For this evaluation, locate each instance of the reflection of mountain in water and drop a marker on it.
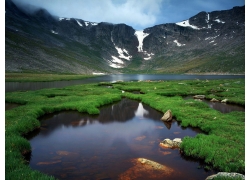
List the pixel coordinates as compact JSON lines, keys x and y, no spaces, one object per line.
{"x":141,"y":111}
{"x":122,"y":111}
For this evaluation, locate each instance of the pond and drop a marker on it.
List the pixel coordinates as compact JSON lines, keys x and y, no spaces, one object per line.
{"x":26,"y":86}
{"x":73,"y":145}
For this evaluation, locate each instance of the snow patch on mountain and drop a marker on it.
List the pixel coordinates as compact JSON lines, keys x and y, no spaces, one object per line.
{"x":122,"y":53}
{"x":98,"y":73}
{"x":117,"y":60}
{"x":186,"y":24}
{"x":178,"y":44}
{"x":219,"y":21}
{"x":115,"y":65}
{"x":148,"y":54}
{"x":140,"y":36}
{"x":92,"y":23}
{"x":54,"y":32}
{"x":79,"y":23}
{"x":211,"y":38}
{"x":207,"y":20}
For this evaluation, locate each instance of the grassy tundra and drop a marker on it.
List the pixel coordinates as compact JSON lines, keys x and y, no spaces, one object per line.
{"x":222,"y":146}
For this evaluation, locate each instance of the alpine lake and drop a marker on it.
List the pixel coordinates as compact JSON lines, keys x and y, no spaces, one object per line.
{"x":119,"y":139}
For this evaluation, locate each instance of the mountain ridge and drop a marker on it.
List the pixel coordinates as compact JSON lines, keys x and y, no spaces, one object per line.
{"x":212,"y":42}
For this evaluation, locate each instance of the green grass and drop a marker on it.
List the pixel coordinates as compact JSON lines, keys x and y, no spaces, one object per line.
{"x":222,"y":146}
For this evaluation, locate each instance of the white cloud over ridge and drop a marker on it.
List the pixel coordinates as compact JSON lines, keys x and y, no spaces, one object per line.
{"x":137,"y":14}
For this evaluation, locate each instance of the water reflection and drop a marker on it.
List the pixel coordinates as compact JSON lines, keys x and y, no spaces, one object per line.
{"x":141,"y":111}
{"x":223,"y":107}
{"x":73,"y":145}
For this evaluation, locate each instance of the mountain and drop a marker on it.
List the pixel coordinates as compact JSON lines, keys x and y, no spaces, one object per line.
{"x":209,"y":42}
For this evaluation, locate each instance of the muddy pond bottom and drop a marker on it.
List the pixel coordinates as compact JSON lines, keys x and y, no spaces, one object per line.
{"x":112,"y":145}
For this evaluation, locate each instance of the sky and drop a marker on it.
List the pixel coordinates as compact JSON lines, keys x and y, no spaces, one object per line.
{"x":139,"y":14}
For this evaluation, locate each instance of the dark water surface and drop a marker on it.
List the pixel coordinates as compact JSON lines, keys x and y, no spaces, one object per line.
{"x":9,"y":106}
{"x":73,"y":145}
{"x":222,"y":107}
{"x":26,"y":86}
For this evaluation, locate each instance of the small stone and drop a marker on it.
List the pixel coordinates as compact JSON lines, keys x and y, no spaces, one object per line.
{"x":167,"y":116}
{"x":224,"y":100}
{"x":199,"y":96}
{"x":168,"y":143}
{"x":214,"y":100}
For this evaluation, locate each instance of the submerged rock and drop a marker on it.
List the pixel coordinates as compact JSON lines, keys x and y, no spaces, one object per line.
{"x":199,"y":96}
{"x":167,"y":116}
{"x":168,"y":143}
{"x":146,"y":168}
{"x":140,"y":138}
{"x":49,"y":162}
{"x":224,"y":175}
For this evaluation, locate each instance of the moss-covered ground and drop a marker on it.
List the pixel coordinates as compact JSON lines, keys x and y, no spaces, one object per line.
{"x":222,"y":146}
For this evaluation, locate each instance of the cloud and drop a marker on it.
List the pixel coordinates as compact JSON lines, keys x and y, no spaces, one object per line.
{"x":135,"y":13}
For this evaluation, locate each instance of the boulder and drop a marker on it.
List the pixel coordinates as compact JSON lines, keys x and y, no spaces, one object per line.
{"x":177,"y":142}
{"x":167,"y":116}
{"x":214,"y":100}
{"x":226,"y":175}
{"x":168,"y":143}
{"x":199,"y":96}
{"x":224,"y":100}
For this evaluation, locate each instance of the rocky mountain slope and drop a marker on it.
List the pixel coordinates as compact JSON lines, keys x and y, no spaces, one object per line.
{"x":209,"y":42}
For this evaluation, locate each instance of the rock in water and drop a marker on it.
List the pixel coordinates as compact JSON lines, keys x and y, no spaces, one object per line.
{"x":226,"y":175}
{"x":168,"y":143}
{"x":224,"y":100}
{"x":199,"y":96}
{"x":167,"y":116}
{"x":214,"y":100}
{"x":146,"y":168}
